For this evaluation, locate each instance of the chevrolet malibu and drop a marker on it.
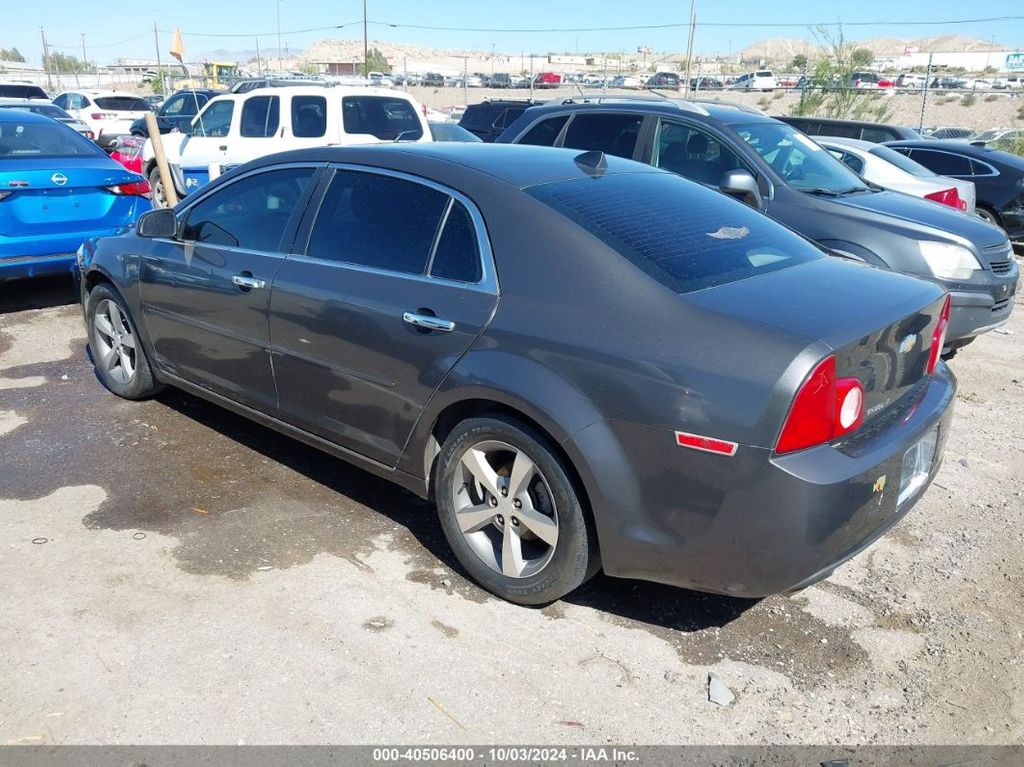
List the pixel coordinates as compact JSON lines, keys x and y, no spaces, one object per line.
{"x":578,"y":380}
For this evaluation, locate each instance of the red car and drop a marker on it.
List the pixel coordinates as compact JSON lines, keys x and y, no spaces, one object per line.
{"x":547,"y":80}
{"x":128,"y":152}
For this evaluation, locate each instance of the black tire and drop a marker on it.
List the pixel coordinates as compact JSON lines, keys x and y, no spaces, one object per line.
{"x":989,"y":215}
{"x":156,"y":185}
{"x":140,"y":384}
{"x":574,"y":557}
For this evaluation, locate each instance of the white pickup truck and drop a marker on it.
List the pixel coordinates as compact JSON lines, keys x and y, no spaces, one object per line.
{"x":235,"y":128}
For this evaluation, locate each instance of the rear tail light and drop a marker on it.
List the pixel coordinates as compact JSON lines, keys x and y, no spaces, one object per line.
{"x":950,"y":197}
{"x":824,"y":409}
{"x":103,"y":116}
{"x":939,"y":337}
{"x":90,"y":135}
{"x":133,"y":188}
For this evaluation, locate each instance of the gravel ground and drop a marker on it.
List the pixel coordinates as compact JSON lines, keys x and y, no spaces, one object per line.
{"x":175,"y":574}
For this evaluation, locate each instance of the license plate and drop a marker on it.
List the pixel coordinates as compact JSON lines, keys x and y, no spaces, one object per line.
{"x":917,"y":465}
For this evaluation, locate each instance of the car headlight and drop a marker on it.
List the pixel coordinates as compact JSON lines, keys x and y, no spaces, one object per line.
{"x":949,"y":262}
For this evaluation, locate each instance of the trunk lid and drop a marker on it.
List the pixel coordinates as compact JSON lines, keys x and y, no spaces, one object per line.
{"x":45,"y":202}
{"x":879,"y":324}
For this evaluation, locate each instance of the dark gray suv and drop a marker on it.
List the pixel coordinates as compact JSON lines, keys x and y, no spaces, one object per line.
{"x":577,"y":379}
{"x":778,"y":169}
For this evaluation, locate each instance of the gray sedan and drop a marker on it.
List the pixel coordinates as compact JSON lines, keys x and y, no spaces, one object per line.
{"x":584,"y":361}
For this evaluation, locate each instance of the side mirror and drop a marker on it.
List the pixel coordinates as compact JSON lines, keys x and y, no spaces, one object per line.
{"x":739,"y":183}
{"x":158,"y":223}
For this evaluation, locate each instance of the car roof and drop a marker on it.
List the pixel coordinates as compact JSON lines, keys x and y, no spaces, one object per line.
{"x":102,"y":93}
{"x":852,"y":143}
{"x":715,"y":110}
{"x":515,"y":164}
{"x":982,"y":152}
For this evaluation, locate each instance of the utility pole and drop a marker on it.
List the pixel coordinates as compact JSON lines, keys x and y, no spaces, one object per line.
{"x":366,"y":45}
{"x":259,"y":61}
{"x":159,"y":65}
{"x":85,"y":60}
{"x":465,"y":80}
{"x":46,"y":59}
{"x":689,"y":48}
{"x":280,"y":63}
{"x":924,"y":91}
{"x":492,"y":61}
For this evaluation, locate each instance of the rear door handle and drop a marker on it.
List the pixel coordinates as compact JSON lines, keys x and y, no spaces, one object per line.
{"x":247,"y":282}
{"x":429,"y":322}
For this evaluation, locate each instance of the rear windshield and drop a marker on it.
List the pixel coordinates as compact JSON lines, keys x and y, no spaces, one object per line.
{"x":13,"y":91}
{"x":901,"y":161}
{"x":385,"y":117}
{"x":32,"y":139}
{"x":123,"y":104}
{"x":49,"y":110}
{"x":684,"y":236}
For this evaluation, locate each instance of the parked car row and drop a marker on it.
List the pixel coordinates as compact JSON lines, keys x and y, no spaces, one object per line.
{"x":346,"y":293}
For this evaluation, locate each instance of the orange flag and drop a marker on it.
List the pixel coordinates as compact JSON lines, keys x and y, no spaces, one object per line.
{"x":177,"y":45}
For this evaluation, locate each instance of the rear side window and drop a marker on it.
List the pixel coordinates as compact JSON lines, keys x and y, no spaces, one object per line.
{"x":902,"y":162}
{"x":123,"y":104}
{"x":943,"y":163}
{"x":610,"y":133}
{"x":309,"y":116}
{"x":852,"y":161}
{"x":356,"y":223}
{"x":685,"y":237}
{"x":250,"y":213}
{"x":261,"y":116}
{"x":545,"y":132}
{"x":384,"y":117}
{"x":457,"y":256}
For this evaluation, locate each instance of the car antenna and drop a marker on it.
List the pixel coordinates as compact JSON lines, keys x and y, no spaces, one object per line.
{"x":592,"y":163}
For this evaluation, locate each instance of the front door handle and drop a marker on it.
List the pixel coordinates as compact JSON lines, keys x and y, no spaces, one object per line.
{"x":429,"y":322}
{"x":248,"y":282}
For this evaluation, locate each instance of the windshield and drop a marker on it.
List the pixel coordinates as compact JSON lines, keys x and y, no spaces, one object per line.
{"x":902,"y":162}
{"x":682,"y":235}
{"x":39,"y":139}
{"x":803,"y":164}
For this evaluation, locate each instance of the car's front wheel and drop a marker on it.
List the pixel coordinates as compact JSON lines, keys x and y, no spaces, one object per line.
{"x":156,"y":185}
{"x":511,"y":513}
{"x":116,"y":347}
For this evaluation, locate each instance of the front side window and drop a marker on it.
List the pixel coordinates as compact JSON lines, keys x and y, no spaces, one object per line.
{"x":544,"y":133}
{"x":385,"y":117}
{"x":309,"y":116}
{"x":215,"y":121}
{"x":693,"y":153}
{"x":358,"y":222}
{"x":800,"y":162}
{"x":609,"y":133}
{"x":251,"y":213}
{"x":261,"y":116}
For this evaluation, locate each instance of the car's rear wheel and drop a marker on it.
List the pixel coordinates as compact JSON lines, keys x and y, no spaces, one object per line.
{"x":116,"y":347}
{"x":988,"y":215}
{"x":511,"y":514}
{"x":156,"y":185}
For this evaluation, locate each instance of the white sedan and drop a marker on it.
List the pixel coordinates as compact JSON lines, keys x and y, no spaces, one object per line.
{"x":888,"y":168}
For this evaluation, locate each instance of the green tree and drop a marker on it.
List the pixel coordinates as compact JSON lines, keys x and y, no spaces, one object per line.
{"x":828,"y":92}
{"x":64,"y":62}
{"x":11,"y":54}
{"x":799,"y":63}
{"x":376,"y":62}
{"x":861,"y":57}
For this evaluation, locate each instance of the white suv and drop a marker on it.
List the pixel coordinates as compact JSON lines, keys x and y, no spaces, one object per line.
{"x":237,"y":127}
{"x":761,"y":80}
{"x":109,"y":114}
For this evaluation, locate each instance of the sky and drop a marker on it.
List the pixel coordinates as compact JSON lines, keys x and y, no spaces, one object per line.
{"x":126,"y":30}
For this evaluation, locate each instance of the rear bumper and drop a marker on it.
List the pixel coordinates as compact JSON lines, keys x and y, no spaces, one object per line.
{"x":756,"y":523}
{"x":19,"y":267}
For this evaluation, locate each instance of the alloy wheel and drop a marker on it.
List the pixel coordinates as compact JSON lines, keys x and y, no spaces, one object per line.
{"x":505,"y":509}
{"x":116,"y":345}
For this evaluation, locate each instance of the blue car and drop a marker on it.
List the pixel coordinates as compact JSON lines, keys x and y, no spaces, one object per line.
{"x":57,"y":189}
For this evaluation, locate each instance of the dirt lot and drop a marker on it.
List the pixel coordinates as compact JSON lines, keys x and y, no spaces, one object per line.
{"x":174,"y":574}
